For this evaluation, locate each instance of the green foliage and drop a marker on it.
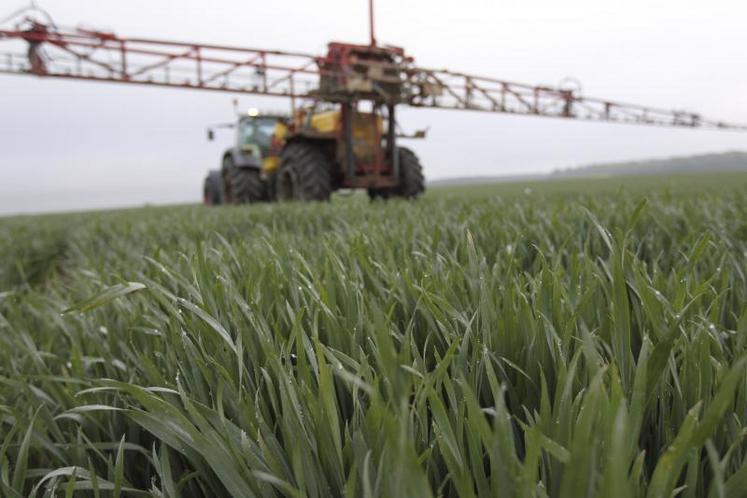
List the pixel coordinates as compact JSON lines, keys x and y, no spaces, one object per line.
{"x":548,"y":340}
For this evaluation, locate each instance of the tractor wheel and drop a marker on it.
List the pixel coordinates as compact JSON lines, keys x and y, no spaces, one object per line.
{"x":375,"y":194}
{"x":243,"y":185}
{"x":212,"y":191}
{"x":305,"y":173}
{"x":247,"y":185}
{"x":411,"y":179}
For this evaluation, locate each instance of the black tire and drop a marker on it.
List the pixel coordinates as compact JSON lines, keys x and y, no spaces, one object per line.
{"x":305,"y":173}
{"x":411,"y":179}
{"x":212,"y":191}
{"x":376,"y":194}
{"x":243,"y":185}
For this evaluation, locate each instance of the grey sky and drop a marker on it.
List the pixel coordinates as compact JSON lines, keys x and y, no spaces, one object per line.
{"x":66,"y":145}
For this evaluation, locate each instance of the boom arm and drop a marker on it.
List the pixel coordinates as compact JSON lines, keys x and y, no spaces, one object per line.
{"x":476,"y":93}
{"x":101,"y":56}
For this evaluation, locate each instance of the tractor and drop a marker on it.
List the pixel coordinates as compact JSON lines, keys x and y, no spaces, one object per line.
{"x":301,"y":157}
{"x":344,"y":140}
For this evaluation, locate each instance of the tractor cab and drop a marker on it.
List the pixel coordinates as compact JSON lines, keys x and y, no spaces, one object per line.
{"x":257,"y":133}
{"x":259,"y":141}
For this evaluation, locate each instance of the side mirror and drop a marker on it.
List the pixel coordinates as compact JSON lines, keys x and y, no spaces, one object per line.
{"x":210,"y":134}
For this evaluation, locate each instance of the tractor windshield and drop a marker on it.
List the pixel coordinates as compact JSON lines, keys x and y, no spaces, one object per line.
{"x":257,"y":131}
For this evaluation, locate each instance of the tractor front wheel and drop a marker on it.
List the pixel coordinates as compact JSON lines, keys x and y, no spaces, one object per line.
{"x":243,"y":185}
{"x":305,"y":173}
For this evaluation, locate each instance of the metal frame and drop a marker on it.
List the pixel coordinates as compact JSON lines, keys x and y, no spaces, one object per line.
{"x":347,"y":75}
{"x":101,"y":56}
{"x":444,"y":89}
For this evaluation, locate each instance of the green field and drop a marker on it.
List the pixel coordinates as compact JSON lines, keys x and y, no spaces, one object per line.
{"x":562,"y":339}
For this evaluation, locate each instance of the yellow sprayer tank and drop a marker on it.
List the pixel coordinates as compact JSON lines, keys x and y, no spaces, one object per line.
{"x":366,"y":128}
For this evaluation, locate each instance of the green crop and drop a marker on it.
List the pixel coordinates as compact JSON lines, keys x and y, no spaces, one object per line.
{"x":569,"y":339}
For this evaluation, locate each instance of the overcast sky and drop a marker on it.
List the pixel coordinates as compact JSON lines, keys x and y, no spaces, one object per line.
{"x":75,"y":145}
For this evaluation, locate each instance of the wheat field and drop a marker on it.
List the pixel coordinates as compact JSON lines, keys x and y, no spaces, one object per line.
{"x":563,"y":339}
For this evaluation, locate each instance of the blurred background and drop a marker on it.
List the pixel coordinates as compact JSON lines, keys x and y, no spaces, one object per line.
{"x":73,"y":145}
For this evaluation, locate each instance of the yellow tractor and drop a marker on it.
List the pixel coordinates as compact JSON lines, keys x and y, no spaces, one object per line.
{"x":306,"y":157}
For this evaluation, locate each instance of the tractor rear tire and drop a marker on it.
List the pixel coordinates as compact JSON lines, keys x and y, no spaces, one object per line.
{"x":212,"y":191}
{"x":411,"y":179}
{"x":305,"y":173}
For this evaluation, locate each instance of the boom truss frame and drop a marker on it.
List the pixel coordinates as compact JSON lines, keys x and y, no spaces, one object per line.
{"x":75,"y":53}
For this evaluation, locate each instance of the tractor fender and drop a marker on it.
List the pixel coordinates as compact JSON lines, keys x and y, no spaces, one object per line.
{"x":240,"y":160}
